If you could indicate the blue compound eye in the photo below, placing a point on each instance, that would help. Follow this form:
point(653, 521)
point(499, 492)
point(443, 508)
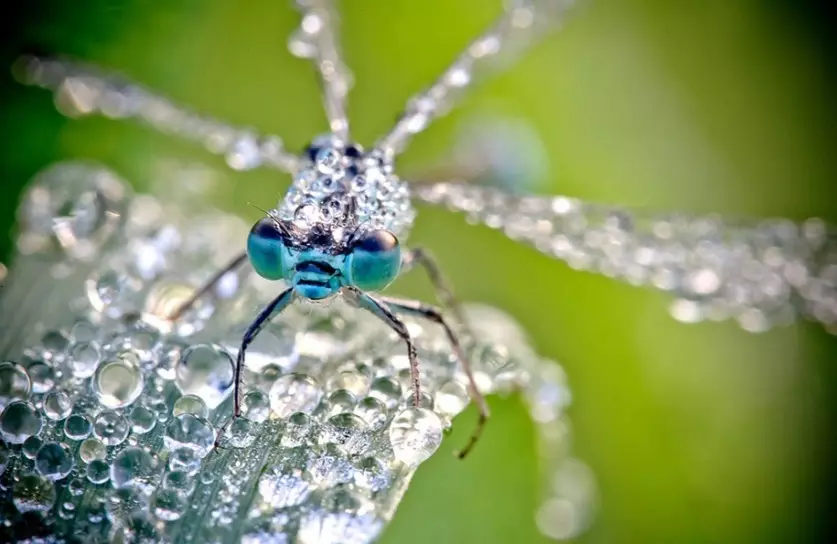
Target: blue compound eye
point(266, 249)
point(374, 261)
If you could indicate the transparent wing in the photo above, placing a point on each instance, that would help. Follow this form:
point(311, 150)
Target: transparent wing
point(317, 39)
point(759, 272)
point(522, 22)
point(80, 89)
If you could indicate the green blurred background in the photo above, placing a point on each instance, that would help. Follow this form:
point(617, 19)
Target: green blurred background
point(697, 433)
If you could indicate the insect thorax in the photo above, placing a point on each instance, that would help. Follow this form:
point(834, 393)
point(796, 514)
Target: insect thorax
point(333, 174)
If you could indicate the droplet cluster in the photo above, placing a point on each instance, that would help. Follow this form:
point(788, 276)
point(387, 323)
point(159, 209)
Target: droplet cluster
point(109, 414)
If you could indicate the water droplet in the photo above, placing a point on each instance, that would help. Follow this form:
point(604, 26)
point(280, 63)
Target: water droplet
point(142, 420)
point(190, 404)
point(256, 406)
point(294, 393)
point(386, 390)
point(189, 431)
point(349, 432)
point(33, 493)
point(92, 449)
point(372, 474)
point(114, 292)
point(184, 460)
point(284, 485)
point(132, 467)
point(205, 371)
point(415, 434)
point(350, 380)
point(31, 446)
point(77, 427)
point(54, 460)
point(330, 467)
point(242, 433)
point(179, 481)
point(83, 331)
point(297, 429)
point(54, 347)
point(84, 358)
point(118, 382)
point(111, 428)
point(451, 398)
point(339, 402)
point(168, 505)
point(14, 383)
point(373, 412)
point(98, 471)
point(19, 421)
point(57, 405)
point(42, 376)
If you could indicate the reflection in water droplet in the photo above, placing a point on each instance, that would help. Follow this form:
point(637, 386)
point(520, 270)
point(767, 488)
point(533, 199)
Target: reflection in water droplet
point(349, 432)
point(54, 347)
point(242, 433)
point(294, 393)
point(19, 421)
point(54, 460)
point(373, 412)
point(98, 471)
point(415, 434)
point(185, 460)
point(190, 404)
point(168, 505)
point(111, 428)
point(118, 382)
point(92, 449)
point(207, 372)
point(84, 358)
point(179, 481)
point(297, 429)
point(189, 431)
point(77, 427)
point(42, 376)
point(132, 467)
point(142, 420)
point(57, 405)
point(33, 493)
point(14, 383)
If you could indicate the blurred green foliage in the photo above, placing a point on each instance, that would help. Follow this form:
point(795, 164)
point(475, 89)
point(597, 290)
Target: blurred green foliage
point(697, 433)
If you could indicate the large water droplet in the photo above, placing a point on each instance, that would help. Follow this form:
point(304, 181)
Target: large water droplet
point(19, 421)
point(451, 398)
point(294, 393)
point(31, 446)
point(14, 383)
point(168, 505)
point(132, 467)
point(111, 428)
point(256, 406)
point(77, 427)
point(142, 420)
point(57, 405)
point(114, 292)
point(373, 412)
point(98, 471)
point(189, 431)
point(54, 460)
point(184, 460)
point(118, 382)
point(33, 493)
point(190, 404)
point(415, 434)
point(205, 371)
point(42, 376)
point(386, 390)
point(349, 432)
point(92, 449)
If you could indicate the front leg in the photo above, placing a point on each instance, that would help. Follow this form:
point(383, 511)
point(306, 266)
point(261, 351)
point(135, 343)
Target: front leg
point(268, 312)
point(367, 302)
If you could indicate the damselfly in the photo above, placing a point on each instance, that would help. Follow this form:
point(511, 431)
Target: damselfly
point(342, 226)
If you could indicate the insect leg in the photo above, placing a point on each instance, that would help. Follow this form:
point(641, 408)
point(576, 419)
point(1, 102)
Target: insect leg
point(362, 300)
point(268, 312)
point(209, 285)
point(416, 308)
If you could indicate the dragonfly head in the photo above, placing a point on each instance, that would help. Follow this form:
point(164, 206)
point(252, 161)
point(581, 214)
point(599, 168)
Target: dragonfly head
point(321, 258)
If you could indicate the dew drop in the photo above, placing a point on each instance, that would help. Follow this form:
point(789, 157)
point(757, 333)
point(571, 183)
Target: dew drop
point(31, 446)
point(415, 434)
point(451, 398)
point(142, 420)
point(352, 381)
point(118, 382)
point(84, 358)
point(33, 493)
point(179, 481)
point(114, 293)
point(242, 433)
point(189, 431)
point(14, 383)
point(294, 393)
point(205, 371)
point(98, 471)
point(54, 461)
point(132, 467)
point(386, 390)
point(284, 486)
point(256, 406)
point(77, 427)
point(297, 429)
point(349, 432)
point(373, 412)
point(42, 376)
point(372, 474)
point(92, 449)
point(19, 421)
point(57, 405)
point(111, 428)
point(190, 404)
point(168, 505)
point(184, 460)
